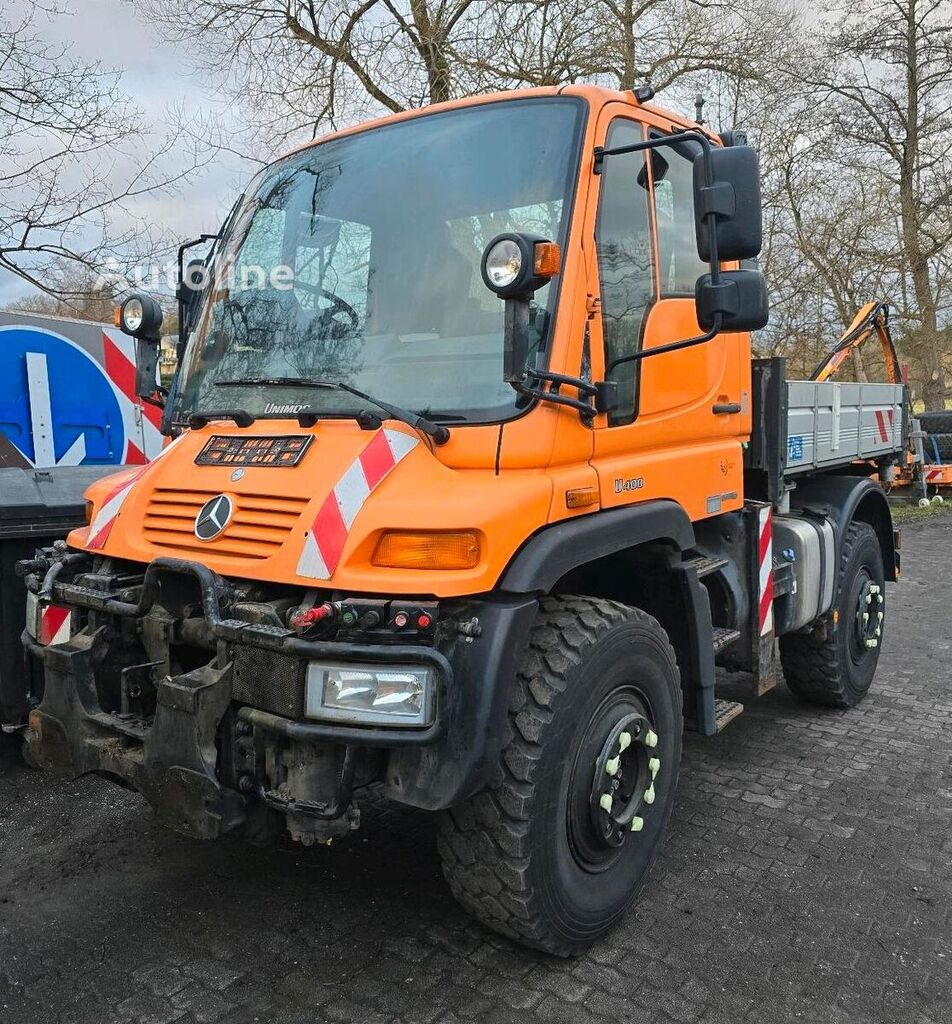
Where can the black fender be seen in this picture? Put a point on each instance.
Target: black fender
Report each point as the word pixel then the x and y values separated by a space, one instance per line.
pixel 556 550
pixel 633 555
pixel 843 499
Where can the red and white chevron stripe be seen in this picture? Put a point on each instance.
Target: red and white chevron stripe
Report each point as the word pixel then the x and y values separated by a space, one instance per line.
pixel 139 418
pixel 325 541
pixel 55 626
pixel 102 523
pixel 765 560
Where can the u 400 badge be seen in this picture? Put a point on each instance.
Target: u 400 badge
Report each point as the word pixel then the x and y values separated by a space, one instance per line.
pixel 631 483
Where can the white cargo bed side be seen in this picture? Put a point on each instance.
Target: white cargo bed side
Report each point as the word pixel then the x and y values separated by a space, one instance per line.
pixel 831 424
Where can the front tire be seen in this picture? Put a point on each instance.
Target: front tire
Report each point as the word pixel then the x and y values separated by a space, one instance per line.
pixel 835 662
pixel 544 856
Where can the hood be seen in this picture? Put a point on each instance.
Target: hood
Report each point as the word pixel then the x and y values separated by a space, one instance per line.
pixel 283 504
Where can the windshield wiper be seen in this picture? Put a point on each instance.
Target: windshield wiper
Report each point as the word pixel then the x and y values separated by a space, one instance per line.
pixel 436 431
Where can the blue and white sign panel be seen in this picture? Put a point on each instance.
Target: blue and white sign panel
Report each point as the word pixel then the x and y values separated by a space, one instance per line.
pixel 58 407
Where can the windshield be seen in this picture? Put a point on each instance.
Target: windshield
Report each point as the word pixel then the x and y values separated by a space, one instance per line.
pixel 358 261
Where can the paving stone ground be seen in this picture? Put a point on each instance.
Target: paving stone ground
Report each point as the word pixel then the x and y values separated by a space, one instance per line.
pixel 807 877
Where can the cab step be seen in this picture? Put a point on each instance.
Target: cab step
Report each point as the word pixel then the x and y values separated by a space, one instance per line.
pixel 704 565
pixel 723 637
pixel 725 711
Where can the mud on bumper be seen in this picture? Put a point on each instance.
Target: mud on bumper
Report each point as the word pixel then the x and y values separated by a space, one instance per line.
pixel 221 743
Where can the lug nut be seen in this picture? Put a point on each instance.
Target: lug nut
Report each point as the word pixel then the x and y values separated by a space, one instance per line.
pixel 650 794
pixel 654 766
pixel 651 738
pixel 611 766
pixel 637 824
pixel 624 741
pixel 606 803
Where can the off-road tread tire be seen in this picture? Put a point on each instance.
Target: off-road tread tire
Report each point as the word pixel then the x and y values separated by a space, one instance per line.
pixel 936 422
pixel 811 661
pixel 483 842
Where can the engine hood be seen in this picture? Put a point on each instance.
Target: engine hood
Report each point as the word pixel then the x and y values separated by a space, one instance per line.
pixel 312 512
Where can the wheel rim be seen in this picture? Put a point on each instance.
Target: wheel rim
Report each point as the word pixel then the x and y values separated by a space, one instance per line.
pixel 612 786
pixel 868 617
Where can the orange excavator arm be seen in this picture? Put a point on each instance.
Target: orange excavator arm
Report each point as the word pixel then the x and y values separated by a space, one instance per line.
pixel 872 318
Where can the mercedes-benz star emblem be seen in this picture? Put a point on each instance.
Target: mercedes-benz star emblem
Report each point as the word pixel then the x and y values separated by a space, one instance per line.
pixel 213 517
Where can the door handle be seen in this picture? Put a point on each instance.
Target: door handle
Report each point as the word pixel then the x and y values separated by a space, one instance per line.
pixel 725 408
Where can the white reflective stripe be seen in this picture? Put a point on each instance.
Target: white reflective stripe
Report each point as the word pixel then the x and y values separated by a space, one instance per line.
pixel 311 563
pixel 767 627
pixel 109 511
pixel 400 444
pixel 75 454
pixel 41 413
pixel 351 492
pixel 765 567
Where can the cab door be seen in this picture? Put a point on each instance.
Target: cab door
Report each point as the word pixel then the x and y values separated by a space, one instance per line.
pixel 679 419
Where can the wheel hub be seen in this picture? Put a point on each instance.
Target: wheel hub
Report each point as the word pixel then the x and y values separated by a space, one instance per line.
pixel 623 781
pixel 870 612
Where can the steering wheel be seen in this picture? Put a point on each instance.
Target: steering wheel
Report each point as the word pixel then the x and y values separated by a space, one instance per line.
pixel 336 308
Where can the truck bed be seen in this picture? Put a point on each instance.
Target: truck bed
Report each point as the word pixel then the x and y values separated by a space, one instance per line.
pixel 831 423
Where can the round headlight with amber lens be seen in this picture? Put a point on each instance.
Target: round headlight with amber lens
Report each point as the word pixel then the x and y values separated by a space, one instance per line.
pixel 504 262
pixel 515 264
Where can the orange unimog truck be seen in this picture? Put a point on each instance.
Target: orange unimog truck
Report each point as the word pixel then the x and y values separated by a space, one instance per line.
pixel 473 482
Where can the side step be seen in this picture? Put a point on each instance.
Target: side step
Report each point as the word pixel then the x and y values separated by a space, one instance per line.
pixel 725 711
pixel 723 637
pixel 704 566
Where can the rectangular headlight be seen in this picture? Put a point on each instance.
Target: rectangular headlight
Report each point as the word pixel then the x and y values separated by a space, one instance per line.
pixel 399 695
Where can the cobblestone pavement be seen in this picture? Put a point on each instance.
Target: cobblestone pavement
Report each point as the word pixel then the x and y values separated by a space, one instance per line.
pixel 807 877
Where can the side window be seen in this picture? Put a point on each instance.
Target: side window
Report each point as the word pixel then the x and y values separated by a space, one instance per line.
pixel 680 266
pixel 623 245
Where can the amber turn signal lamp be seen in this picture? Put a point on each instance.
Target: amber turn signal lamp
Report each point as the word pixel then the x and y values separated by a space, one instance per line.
pixel 406 549
pixel 117 316
pixel 581 497
pixel 548 259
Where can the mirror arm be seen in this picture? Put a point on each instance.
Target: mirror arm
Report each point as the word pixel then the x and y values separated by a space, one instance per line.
pixel 179 291
pixel 674 346
pixel 584 409
pixel 671 140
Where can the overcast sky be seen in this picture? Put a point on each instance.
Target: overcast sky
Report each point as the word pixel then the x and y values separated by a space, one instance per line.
pixel 156 76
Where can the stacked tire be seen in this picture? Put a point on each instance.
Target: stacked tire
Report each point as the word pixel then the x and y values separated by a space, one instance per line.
pixel 938 440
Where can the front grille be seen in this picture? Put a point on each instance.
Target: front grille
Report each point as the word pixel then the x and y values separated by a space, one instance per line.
pixel 268 681
pixel 260 524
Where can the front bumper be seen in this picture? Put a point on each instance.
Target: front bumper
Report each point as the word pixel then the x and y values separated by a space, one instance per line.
pixel 204 752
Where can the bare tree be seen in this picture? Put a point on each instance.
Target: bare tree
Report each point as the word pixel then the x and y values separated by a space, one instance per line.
pixel 884 80
pixel 65 127
pixel 309 65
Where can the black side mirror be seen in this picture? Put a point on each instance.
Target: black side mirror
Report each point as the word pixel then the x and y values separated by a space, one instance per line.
pixel 514 266
pixel 740 297
pixel 140 316
pixel 734 199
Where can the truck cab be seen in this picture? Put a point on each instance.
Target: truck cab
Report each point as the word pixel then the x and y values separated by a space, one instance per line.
pixel 470 481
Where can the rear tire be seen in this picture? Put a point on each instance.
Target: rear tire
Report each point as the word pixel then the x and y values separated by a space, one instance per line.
pixel 832 664
pixel 540 857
